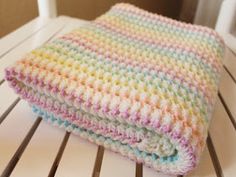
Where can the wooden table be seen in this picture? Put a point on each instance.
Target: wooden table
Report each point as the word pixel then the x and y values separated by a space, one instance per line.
pixel 30 147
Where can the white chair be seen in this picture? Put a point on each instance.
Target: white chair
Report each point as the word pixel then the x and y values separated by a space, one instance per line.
pixel 30 147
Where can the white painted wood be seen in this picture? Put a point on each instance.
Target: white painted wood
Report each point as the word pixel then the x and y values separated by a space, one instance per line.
pixel 230 62
pixel 40 153
pixel 207 12
pixel 223 137
pixel 226 17
pixel 33 42
pixel 230 40
pixel 78 158
pixel 47 8
pixel 13 130
pixel 148 172
pixel 228 92
pixel 49 32
pixel 226 21
pixel 73 23
pixel 6 99
pixel 46 141
pixel 43 35
pixel 205 167
pixel 11 40
pixel 116 165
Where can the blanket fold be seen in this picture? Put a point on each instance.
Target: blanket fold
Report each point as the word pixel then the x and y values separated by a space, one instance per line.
pixel 137 83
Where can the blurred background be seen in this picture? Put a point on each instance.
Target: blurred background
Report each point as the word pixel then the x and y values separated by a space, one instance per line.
pixel 15 13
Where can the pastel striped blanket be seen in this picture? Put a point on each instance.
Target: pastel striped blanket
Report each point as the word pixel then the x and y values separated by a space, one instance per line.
pixel 137 83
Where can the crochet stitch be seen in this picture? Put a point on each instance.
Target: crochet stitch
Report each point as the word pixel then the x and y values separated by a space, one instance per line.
pixel 132 81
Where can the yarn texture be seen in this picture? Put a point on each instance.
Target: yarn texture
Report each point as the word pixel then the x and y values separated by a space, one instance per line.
pixel 135 82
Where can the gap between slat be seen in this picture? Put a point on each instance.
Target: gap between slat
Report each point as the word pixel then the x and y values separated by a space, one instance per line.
pixel 214 157
pixel 232 77
pixel 59 155
pixel 233 52
pixel 98 162
pixel 4 115
pixel 9 109
pixel 139 170
pixel 1 82
pixel 19 43
pixel 52 36
pixel 227 110
pixel 12 163
pixel 60 29
pixel 15 158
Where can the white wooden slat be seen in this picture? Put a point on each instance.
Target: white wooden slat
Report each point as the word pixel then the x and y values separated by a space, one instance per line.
pixel 228 92
pixel 45 143
pixel 116 165
pixel 78 158
pixel 148 172
pixel 11 40
pixel 230 38
pixel 205 167
pixel 73 23
pixel 33 42
pixel 40 153
pixel 13 130
pixel 223 137
pixel 7 97
pixel 40 38
pixel 230 62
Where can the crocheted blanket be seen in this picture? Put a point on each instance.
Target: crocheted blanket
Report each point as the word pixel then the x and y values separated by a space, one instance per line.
pixel 137 83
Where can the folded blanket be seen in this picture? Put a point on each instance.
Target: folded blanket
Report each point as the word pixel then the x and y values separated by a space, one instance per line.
pixel 134 82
